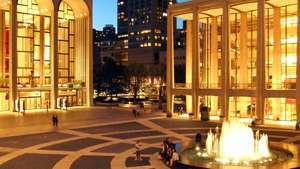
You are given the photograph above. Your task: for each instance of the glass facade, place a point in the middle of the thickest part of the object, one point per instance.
(27, 54)
(247, 59)
(243, 46)
(210, 40)
(4, 58)
(66, 42)
(281, 45)
(242, 107)
(280, 109)
(33, 46)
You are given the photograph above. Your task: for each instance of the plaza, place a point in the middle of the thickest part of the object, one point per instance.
(100, 138)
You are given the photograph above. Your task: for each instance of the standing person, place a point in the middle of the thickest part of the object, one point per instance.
(47, 106)
(53, 120)
(198, 139)
(134, 112)
(138, 150)
(56, 120)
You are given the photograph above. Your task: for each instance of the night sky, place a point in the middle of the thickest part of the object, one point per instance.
(105, 12)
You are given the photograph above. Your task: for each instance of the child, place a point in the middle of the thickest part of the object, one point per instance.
(138, 150)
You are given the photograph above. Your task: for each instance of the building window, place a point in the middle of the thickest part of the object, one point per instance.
(210, 39)
(281, 45)
(283, 109)
(66, 40)
(243, 42)
(33, 45)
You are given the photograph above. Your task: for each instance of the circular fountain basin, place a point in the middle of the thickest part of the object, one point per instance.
(283, 156)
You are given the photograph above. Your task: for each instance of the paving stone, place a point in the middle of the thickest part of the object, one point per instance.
(115, 148)
(150, 150)
(135, 134)
(156, 140)
(75, 145)
(190, 131)
(32, 161)
(114, 128)
(24, 141)
(92, 162)
(170, 123)
(131, 162)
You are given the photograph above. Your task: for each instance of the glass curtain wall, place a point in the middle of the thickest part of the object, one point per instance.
(285, 111)
(213, 103)
(242, 107)
(33, 54)
(210, 46)
(4, 57)
(243, 45)
(281, 44)
(281, 19)
(66, 41)
(183, 50)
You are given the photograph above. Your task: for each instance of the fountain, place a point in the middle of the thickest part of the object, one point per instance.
(236, 146)
(237, 143)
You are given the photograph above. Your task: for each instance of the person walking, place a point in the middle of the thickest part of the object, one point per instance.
(53, 120)
(138, 150)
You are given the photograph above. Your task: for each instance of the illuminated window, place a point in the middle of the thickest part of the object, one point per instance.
(280, 109)
(243, 54)
(33, 46)
(66, 40)
(281, 45)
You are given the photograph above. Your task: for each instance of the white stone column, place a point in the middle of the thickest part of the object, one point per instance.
(89, 61)
(225, 61)
(1, 44)
(189, 64)
(13, 56)
(243, 61)
(276, 66)
(195, 63)
(214, 76)
(260, 70)
(170, 63)
(54, 57)
(298, 66)
(81, 53)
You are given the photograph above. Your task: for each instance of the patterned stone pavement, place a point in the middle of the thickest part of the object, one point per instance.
(108, 145)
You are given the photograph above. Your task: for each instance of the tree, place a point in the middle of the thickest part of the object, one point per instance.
(113, 78)
(137, 72)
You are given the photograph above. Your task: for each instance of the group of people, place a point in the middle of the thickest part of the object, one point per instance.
(168, 153)
(136, 113)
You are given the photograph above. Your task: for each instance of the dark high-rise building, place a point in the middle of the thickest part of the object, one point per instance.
(142, 28)
(109, 36)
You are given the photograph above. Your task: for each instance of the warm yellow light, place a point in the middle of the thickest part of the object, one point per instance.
(237, 143)
(289, 20)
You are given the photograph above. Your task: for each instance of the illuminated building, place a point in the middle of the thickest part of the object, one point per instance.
(45, 53)
(142, 26)
(241, 59)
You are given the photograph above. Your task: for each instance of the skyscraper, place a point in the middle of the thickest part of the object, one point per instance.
(142, 28)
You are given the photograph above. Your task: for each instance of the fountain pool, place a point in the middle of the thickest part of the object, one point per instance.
(237, 146)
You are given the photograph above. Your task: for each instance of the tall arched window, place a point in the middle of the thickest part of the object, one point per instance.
(66, 38)
(33, 54)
